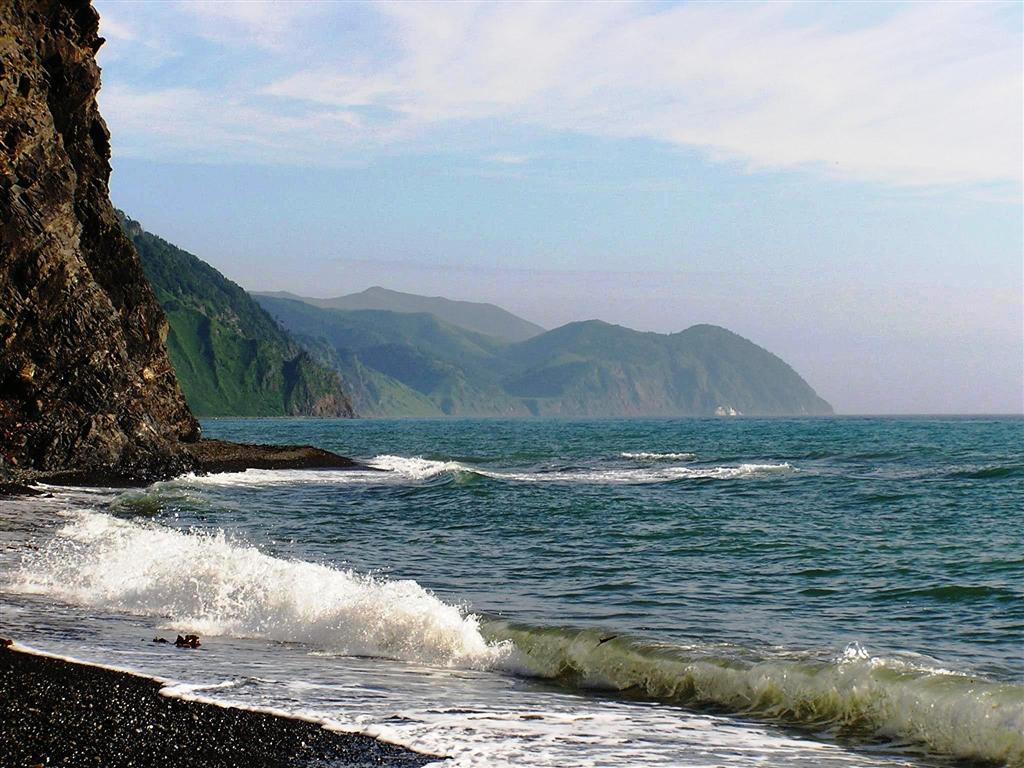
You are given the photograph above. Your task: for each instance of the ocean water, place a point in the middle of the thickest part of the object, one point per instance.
(694, 592)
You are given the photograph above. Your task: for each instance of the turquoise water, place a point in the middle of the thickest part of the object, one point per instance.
(852, 585)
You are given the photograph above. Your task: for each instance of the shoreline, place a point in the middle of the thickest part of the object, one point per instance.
(63, 712)
(211, 456)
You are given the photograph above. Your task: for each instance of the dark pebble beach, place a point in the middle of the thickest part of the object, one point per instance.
(60, 713)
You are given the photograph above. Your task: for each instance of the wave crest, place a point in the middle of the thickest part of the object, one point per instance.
(208, 584)
(885, 697)
(390, 469)
(647, 456)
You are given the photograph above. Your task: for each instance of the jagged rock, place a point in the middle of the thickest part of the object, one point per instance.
(85, 382)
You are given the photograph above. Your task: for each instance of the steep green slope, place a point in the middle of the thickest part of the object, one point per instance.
(468, 315)
(230, 357)
(581, 369)
(417, 359)
(372, 393)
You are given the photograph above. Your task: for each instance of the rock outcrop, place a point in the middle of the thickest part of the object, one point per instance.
(85, 383)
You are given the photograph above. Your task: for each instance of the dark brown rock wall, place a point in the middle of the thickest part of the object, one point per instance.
(85, 382)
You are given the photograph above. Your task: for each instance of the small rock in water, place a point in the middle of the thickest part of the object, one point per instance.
(159, 639)
(188, 641)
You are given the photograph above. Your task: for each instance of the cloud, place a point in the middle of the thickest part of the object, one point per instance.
(504, 158)
(921, 94)
(113, 28)
(266, 24)
(195, 126)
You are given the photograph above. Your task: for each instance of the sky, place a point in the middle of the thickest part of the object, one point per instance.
(839, 183)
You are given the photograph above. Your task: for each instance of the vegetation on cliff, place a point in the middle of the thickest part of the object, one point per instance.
(231, 357)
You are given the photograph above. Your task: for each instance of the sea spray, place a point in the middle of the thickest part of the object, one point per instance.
(208, 584)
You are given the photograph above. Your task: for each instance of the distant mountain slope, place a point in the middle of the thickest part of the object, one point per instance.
(472, 316)
(421, 364)
(592, 368)
(581, 369)
(230, 356)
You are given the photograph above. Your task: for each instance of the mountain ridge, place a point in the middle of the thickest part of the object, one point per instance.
(480, 317)
(584, 368)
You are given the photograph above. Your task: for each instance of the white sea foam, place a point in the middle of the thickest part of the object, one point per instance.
(640, 476)
(422, 469)
(891, 697)
(260, 477)
(212, 585)
(208, 584)
(417, 468)
(388, 469)
(646, 456)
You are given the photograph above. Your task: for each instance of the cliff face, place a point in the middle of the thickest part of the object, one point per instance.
(85, 383)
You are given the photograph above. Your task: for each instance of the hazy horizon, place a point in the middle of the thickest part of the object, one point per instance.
(839, 184)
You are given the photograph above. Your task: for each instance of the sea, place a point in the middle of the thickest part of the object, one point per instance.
(673, 592)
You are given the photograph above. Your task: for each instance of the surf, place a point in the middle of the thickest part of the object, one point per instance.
(212, 584)
(853, 692)
(389, 469)
(209, 584)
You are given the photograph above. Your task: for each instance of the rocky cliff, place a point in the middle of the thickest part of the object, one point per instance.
(85, 382)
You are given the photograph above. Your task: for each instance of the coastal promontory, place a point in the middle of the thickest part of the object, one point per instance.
(87, 391)
(85, 382)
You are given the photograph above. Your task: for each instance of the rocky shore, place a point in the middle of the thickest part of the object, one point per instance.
(88, 396)
(56, 712)
(206, 456)
(85, 381)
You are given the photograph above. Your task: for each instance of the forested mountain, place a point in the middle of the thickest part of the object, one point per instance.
(400, 364)
(266, 355)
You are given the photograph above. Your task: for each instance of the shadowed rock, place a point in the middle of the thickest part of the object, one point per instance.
(222, 456)
(87, 392)
(85, 382)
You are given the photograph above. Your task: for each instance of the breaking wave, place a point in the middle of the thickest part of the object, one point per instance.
(390, 469)
(872, 697)
(207, 583)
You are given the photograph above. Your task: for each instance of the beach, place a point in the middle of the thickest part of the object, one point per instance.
(57, 712)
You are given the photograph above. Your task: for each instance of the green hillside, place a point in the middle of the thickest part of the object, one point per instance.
(593, 368)
(468, 315)
(404, 364)
(231, 357)
(398, 364)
